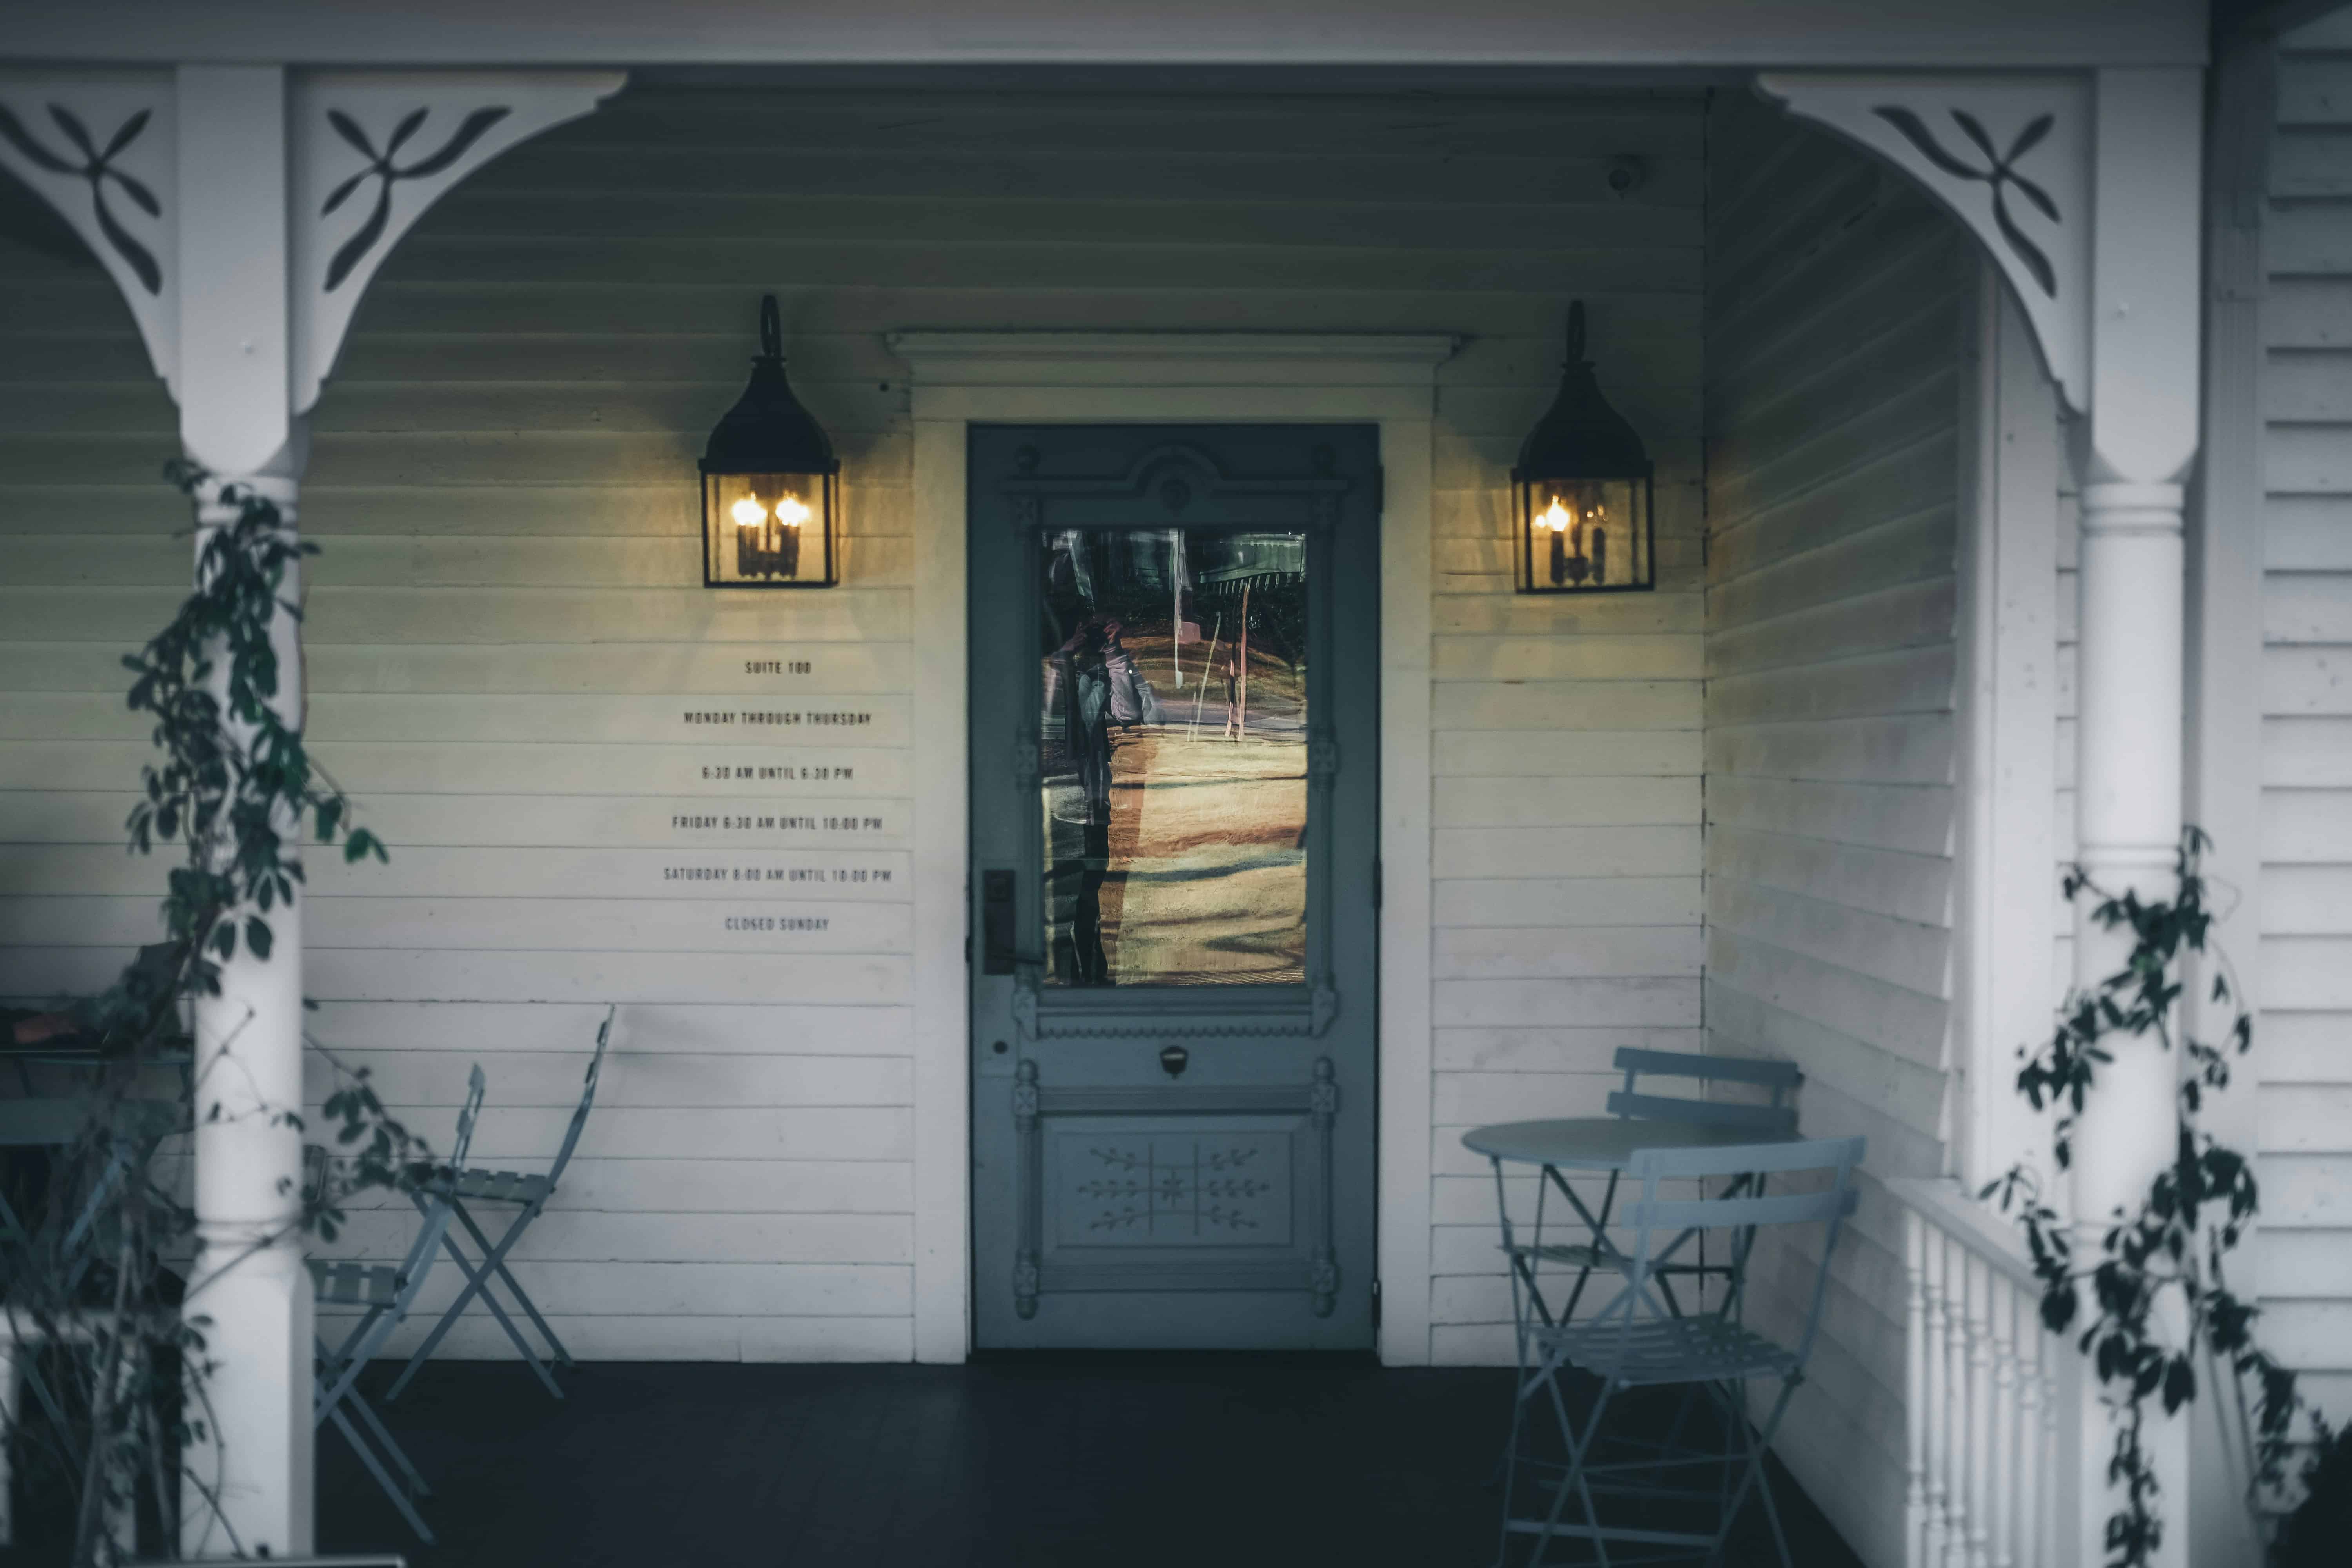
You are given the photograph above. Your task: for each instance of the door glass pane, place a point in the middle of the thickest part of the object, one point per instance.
(1173, 729)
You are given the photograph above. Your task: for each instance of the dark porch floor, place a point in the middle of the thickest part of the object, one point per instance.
(1230, 1462)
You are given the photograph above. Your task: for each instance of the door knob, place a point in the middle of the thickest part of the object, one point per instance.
(1173, 1058)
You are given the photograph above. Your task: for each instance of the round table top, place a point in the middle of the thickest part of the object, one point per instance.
(1601, 1142)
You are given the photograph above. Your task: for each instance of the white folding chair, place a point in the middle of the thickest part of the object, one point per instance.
(382, 1293)
(1640, 1339)
(530, 1194)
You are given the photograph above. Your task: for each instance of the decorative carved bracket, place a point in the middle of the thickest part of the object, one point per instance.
(371, 151)
(2008, 155)
(100, 148)
(366, 153)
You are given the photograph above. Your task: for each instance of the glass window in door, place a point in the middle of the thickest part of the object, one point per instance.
(1172, 734)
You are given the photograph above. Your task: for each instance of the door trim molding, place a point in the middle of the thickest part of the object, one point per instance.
(961, 378)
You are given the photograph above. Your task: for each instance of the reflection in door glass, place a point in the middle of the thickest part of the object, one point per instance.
(1173, 740)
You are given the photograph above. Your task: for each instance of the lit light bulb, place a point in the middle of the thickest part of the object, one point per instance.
(747, 512)
(1556, 517)
(792, 512)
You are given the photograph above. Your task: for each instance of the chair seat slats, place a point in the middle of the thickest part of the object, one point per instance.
(501, 1186)
(1671, 1350)
(346, 1282)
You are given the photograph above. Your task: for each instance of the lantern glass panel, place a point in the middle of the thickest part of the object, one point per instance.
(1585, 535)
(768, 531)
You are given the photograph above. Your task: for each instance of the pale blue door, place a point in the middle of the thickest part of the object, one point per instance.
(1174, 708)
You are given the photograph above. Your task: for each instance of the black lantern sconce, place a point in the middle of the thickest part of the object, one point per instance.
(1583, 490)
(770, 484)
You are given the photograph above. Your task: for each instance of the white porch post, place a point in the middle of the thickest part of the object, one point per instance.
(220, 205)
(2141, 439)
(247, 1484)
(2084, 189)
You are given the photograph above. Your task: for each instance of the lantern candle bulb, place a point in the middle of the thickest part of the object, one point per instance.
(770, 469)
(1583, 475)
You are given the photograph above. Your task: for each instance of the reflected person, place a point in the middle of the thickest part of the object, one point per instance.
(1099, 685)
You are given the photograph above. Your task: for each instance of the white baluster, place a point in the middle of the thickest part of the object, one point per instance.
(2002, 1528)
(2057, 1494)
(1915, 1390)
(1956, 1402)
(1932, 1415)
(1981, 1411)
(2033, 1453)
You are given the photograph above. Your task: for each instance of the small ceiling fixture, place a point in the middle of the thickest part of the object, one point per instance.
(1583, 489)
(770, 484)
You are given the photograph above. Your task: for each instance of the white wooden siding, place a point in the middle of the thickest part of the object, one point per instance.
(1836, 300)
(508, 625)
(2305, 1034)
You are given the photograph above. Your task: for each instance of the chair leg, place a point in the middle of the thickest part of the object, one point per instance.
(358, 1402)
(1521, 1390)
(339, 1368)
(375, 1467)
(1756, 1441)
(478, 1282)
(498, 1260)
(1577, 1454)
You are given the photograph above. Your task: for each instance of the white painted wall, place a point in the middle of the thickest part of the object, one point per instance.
(1838, 298)
(507, 629)
(2305, 1033)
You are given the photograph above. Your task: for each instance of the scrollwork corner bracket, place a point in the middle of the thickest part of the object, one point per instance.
(102, 149)
(2010, 155)
(371, 151)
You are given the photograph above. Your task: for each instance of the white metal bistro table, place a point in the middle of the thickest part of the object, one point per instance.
(1592, 1145)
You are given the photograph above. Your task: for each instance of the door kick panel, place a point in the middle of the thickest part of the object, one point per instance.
(1214, 1188)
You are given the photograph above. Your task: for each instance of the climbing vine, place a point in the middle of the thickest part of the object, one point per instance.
(98, 1277)
(2176, 1246)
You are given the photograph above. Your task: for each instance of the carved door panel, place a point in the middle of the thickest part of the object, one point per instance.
(1174, 700)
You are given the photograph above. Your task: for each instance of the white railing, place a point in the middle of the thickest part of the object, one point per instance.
(1989, 1471)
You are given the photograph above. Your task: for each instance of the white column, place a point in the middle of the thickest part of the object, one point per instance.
(2142, 439)
(248, 1486)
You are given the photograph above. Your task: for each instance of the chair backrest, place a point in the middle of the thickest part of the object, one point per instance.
(437, 1210)
(1662, 1225)
(1772, 1120)
(587, 1099)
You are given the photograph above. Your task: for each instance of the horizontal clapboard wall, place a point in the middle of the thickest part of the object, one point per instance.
(1836, 305)
(2305, 1034)
(507, 635)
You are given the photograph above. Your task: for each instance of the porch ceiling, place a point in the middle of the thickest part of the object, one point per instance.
(1948, 33)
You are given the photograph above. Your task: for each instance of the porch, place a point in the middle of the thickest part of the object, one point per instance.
(1174, 1460)
(1806, 800)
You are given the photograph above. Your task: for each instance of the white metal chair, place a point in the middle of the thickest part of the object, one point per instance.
(382, 1293)
(1640, 1339)
(1771, 1119)
(530, 1194)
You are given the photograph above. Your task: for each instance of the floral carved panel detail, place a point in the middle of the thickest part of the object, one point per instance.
(384, 168)
(86, 160)
(102, 149)
(2000, 172)
(1196, 1189)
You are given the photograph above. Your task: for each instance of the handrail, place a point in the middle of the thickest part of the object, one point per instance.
(1990, 1234)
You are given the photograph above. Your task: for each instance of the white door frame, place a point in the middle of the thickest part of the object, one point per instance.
(961, 378)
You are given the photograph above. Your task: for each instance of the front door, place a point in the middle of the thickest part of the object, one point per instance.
(1174, 708)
